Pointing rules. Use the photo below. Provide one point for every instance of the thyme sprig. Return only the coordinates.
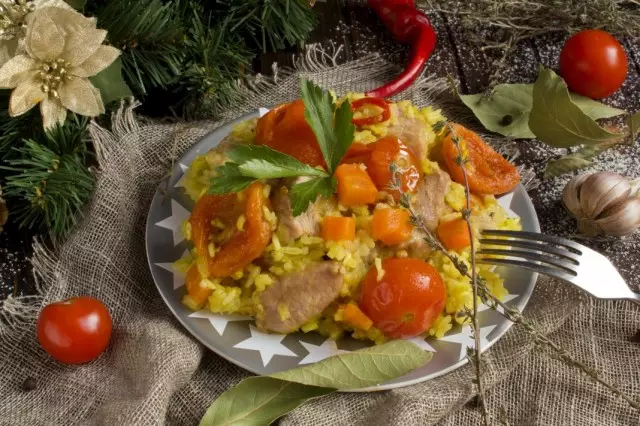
(481, 290)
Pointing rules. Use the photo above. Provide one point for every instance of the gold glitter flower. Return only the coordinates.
(14, 15)
(62, 49)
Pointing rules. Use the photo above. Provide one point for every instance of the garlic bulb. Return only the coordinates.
(603, 203)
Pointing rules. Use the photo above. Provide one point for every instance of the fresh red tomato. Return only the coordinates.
(406, 300)
(593, 63)
(75, 330)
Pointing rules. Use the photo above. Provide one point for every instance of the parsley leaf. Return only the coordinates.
(229, 179)
(262, 162)
(319, 107)
(304, 193)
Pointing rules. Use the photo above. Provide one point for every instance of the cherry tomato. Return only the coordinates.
(593, 63)
(285, 129)
(406, 300)
(391, 150)
(75, 330)
(487, 171)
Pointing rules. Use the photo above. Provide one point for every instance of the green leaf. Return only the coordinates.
(259, 401)
(559, 122)
(319, 108)
(595, 109)
(76, 4)
(508, 100)
(359, 369)
(345, 132)
(262, 162)
(576, 161)
(634, 125)
(304, 193)
(229, 179)
(507, 111)
(110, 83)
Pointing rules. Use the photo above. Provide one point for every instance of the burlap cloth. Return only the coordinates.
(154, 372)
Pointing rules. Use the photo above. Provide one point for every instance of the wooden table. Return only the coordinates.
(358, 30)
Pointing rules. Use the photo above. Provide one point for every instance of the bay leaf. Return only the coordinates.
(575, 161)
(515, 102)
(556, 120)
(363, 368)
(258, 401)
(634, 125)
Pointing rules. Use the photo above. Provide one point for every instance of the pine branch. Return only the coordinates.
(50, 182)
(273, 24)
(14, 129)
(217, 58)
(150, 34)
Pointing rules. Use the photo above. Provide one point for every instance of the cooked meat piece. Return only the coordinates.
(291, 227)
(430, 194)
(416, 246)
(410, 130)
(297, 297)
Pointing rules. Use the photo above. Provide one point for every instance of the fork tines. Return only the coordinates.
(545, 254)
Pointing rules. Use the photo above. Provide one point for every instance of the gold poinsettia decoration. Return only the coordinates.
(14, 15)
(62, 49)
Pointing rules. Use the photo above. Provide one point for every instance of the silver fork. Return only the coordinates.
(559, 258)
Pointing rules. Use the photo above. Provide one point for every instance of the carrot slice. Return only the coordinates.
(355, 187)
(391, 226)
(198, 293)
(454, 234)
(487, 171)
(243, 246)
(338, 228)
(353, 316)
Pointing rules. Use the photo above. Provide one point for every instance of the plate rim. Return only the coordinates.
(525, 297)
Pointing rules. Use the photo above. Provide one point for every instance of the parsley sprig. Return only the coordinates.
(334, 131)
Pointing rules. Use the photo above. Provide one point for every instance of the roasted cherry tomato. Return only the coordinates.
(593, 63)
(285, 129)
(237, 247)
(487, 171)
(383, 114)
(75, 330)
(391, 150)
(406, 300)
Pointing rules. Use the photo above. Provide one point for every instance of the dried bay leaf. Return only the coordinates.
(634, 125)
(575, 161)
(259, 401)
(514, 102)
(359, 369)
(556, 120)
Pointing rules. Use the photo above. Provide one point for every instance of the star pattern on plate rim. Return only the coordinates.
(174, 222)
(319, 352)
(268, 345)
(465, 338)
(180, 182)
(178, 276)
(218, 321)
(421, 342)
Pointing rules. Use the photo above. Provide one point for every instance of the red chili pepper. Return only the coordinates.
(383, 116)
(407, 25)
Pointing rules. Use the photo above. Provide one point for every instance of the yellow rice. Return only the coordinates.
(239, 293)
